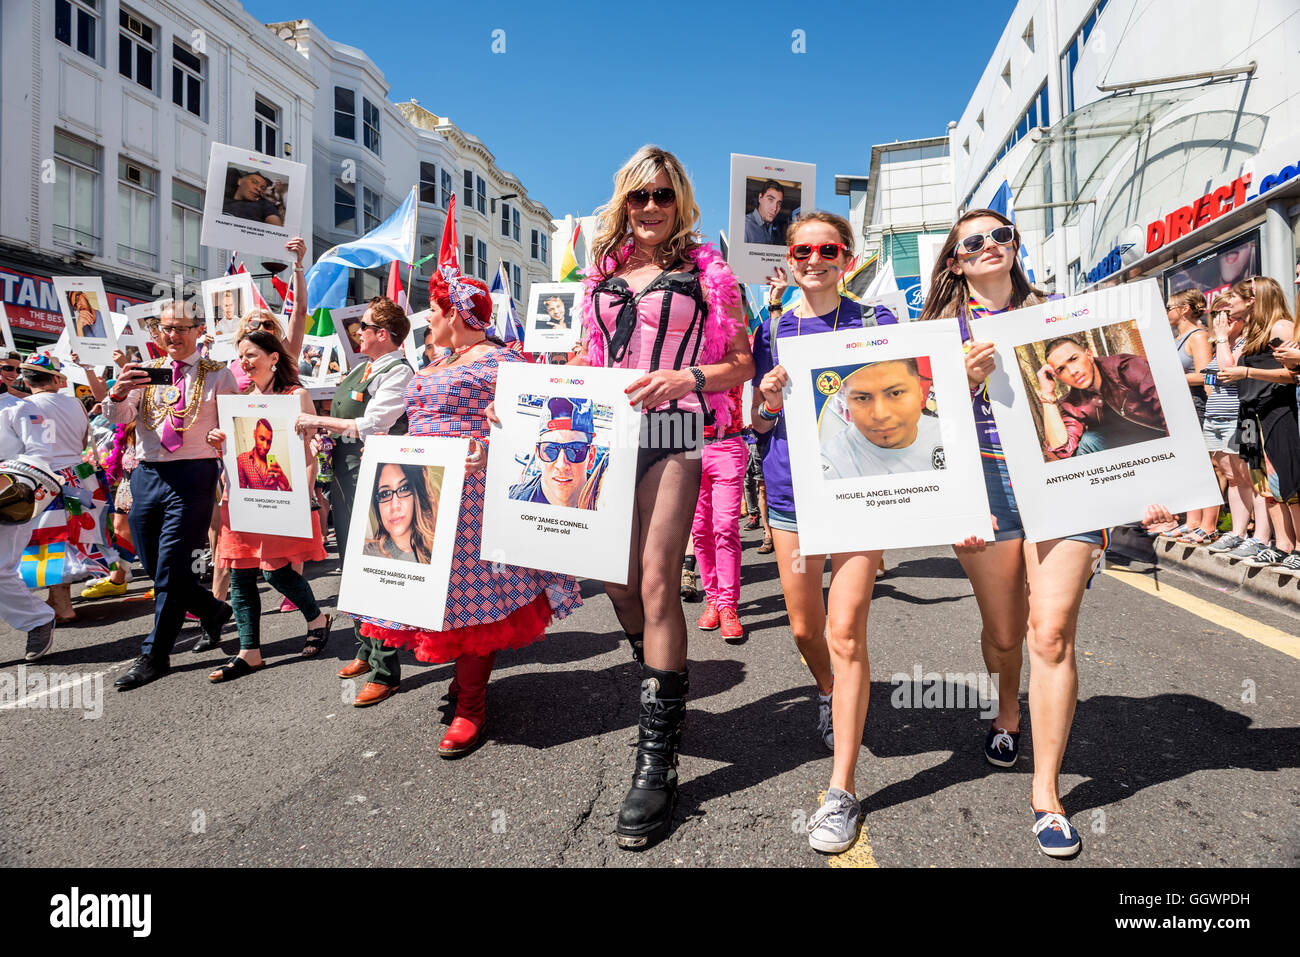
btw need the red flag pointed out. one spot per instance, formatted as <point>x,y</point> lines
<point>395,291</point>
<point>257,295</point>
<point>449,251</point>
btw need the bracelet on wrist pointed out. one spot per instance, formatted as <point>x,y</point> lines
<point>768,412</point>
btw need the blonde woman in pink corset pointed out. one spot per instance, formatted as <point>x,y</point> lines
<point>661,301</point>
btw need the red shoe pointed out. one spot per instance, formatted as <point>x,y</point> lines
<point>709,619</point>
<point>466,731</point>
<point>731,626</point>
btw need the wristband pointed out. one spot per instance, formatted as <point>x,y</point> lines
<point>769,413</point>
<point>698,374</point>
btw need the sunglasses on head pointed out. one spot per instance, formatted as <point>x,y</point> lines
<point>663,196</point>
<point>1002,235</point>
<point>574,452</point>
<point>804,251</point>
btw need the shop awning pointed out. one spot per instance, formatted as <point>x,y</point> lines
<point>1072,158</point>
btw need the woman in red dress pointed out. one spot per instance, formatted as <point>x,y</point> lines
<point>489,608</point>
<point>271,372</point>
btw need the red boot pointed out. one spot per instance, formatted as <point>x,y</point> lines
<point>466,731</point>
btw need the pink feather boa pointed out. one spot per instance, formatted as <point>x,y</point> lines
<point>721,293</point>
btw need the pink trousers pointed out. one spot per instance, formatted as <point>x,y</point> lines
<point>716,529</point>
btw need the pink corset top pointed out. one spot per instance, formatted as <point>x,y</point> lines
<point>661,327</point>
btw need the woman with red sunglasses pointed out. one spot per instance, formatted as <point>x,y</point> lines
<point>831,636</point>
<point>1028,593</point>
<point>660,301</point>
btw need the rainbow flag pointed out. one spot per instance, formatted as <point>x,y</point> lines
<point>569,264</point>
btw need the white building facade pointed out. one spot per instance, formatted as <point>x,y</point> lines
<point>896,210</point>
<point>367,154</point>
<point>1142,138</point>
<point>107,112</point>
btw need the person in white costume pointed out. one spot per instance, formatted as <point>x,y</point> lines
<point>48,431</point>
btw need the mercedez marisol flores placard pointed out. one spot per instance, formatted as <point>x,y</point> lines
<point>403,531</point>
<point>266,464</point>
<point>1093,411</point>
<point>883,451</point>
<point>561,473</point>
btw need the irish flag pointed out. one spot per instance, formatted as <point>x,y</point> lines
<point>569,264</point>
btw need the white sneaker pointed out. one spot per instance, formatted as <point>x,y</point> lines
<point>834,826</point>
<point>824,727</point>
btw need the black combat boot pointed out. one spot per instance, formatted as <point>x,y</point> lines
<point>647,811</point>
<point>637,641</point>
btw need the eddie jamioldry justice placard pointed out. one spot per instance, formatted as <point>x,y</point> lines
<point>266,465</point>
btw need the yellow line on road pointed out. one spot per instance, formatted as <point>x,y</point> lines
<point>1246,627</point>
<point>859,853</point>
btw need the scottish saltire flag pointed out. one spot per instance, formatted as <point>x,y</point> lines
<point>1001,203</point>
<point>394,238</point>
<point>511,329</point>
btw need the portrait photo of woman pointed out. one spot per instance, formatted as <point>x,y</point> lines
<point>403,512</point>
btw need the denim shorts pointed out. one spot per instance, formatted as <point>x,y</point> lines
<point>1221,434</point>
<point>1002,503</point>
<point>782,520</point>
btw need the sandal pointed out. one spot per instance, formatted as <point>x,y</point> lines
<point>767,547</point>
<point>236,667</point>
<point>1197,536</point>
<point>317,638</point>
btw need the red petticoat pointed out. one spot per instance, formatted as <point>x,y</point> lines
<point>521,627</point>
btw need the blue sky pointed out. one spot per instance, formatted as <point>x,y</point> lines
<point>582,85</point>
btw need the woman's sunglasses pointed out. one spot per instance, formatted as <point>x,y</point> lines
<point>824,250</point>
<point>403,491</point>
<point>1003,236</point>
<point>664,197</point>
<point>574,452</point>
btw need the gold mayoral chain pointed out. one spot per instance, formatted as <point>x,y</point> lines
<point>160,400</point>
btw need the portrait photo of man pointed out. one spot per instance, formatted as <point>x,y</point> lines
<point>1109,401</point>
<point>570,465</point>
<point>259,470</point>
<point>557,314</point>
<point>761,225</point>
<point>250,197</point>
<point>888,430</point>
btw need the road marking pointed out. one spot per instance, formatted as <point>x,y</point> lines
<point>859,853</point>
<point>67,686</point>
<point>1246,627</point>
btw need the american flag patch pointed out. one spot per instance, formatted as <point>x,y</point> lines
<point>37,419</point>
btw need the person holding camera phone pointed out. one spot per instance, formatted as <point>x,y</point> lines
<point>174,485</point>
<point>1268,409</point>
